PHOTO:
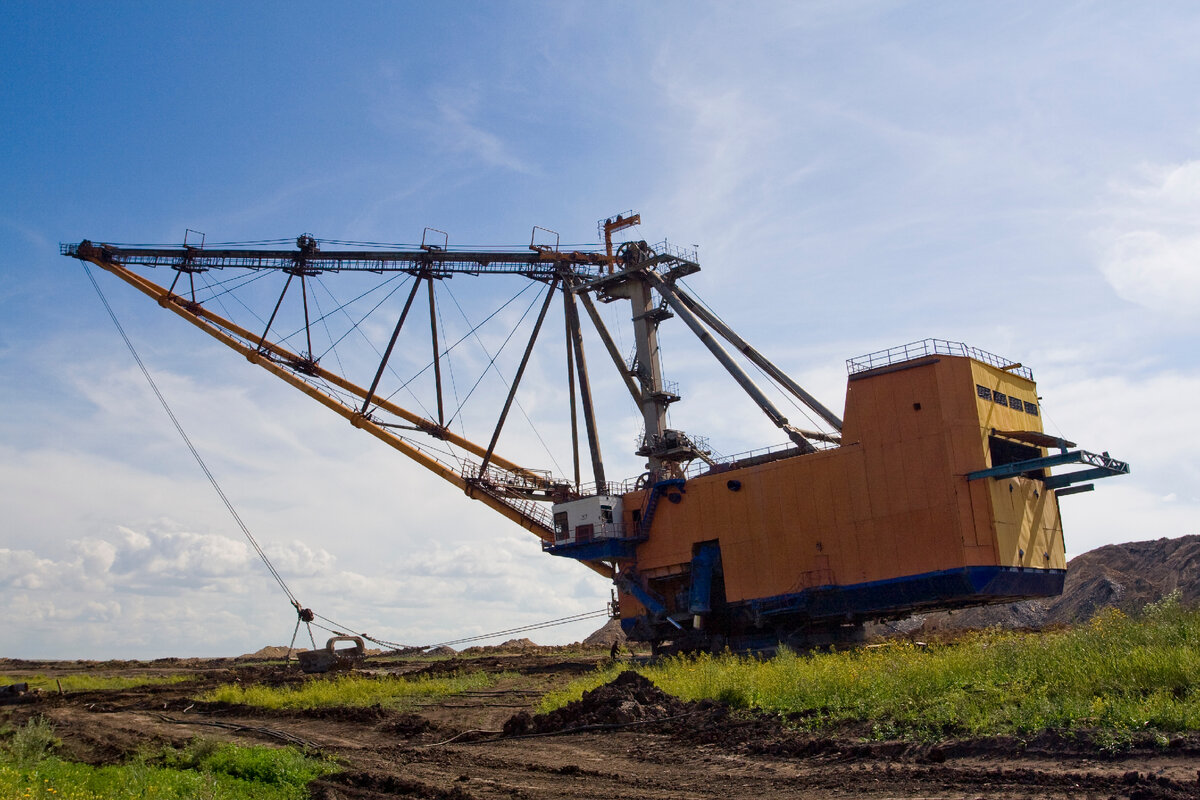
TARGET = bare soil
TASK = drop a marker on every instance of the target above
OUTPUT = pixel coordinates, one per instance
(627, 739)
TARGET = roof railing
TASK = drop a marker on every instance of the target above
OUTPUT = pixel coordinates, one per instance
(931, 347)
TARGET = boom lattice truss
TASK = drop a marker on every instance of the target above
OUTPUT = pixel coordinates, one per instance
(645, 276)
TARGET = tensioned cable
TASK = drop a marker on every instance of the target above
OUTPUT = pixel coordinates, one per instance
(339, 629)
(462, 339)
(246, 531)
(804, 410)
(241, 303)
(186, 440)
(227, 289)
(342, 307)
(491, 365)
(328, 333)
(357, 329)
(525, 628)
(450, 369)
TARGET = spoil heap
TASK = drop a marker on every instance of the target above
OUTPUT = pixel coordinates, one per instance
(628, 698)
(607, 635)
(1124, 576)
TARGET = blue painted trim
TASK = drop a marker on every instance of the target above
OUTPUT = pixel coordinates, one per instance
(943, 589)
(705, 561)
(1081, 476)
(652, 601)
(606, 549)
(1105, 466)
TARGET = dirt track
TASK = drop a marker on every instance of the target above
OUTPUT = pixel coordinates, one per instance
(672, 749)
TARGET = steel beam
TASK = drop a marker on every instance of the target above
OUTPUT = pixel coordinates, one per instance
(585, 390)
(437, 361)
(611, 347)
(1105, 466)
(224, 330)
(387, 353)
(1082, 476)
(545, 264)
(567, 295)
(304, 299)
(512, 390)
(731, 366)
(758, 358)
(278, 303)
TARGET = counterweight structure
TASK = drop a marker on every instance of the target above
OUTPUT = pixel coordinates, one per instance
(934, 492)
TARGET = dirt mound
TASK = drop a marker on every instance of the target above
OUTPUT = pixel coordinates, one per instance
(605, 636)
(627, 698)
(519, 643)
(406, 724)
(273, 652)
(1125, 576)
(511, 646)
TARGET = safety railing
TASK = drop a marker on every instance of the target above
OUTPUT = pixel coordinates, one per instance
(665, 248)
(609, 530)
(932, 347)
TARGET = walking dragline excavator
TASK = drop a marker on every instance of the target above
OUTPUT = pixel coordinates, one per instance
(934, 491)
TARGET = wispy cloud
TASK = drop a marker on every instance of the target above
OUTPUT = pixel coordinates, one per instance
(1151, 253)
(460, 129)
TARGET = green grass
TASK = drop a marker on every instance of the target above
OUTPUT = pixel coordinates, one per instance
(83, 682)
(351, 691)
(205, 769)
(1117, 675)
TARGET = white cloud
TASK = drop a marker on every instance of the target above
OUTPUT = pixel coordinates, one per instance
(1151, 255)
(459, 130)
(1156, 270)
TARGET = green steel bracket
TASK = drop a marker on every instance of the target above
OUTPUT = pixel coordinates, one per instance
(1103, 466)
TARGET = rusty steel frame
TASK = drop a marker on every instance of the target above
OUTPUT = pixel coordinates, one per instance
(576, 274)
(280, 362)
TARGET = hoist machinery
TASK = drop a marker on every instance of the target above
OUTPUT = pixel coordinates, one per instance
(937, 489)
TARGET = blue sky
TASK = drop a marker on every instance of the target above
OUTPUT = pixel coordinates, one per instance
(1022, 177)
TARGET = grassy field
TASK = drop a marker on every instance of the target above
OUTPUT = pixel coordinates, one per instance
(350, 690)
(205, 769)
(1115, 675)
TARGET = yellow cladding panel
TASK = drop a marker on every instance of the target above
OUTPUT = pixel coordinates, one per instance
(1028, 528)
(1002, 416)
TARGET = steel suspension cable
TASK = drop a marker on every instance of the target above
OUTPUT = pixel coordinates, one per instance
(464, 337)
(492, 365)
(187, 441)
(340, 630)
(304, 615)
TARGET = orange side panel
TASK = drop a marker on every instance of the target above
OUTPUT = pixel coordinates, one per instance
(856, 479)
(886, 419)
(877, 487)
(906, 416)
(893, 500)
